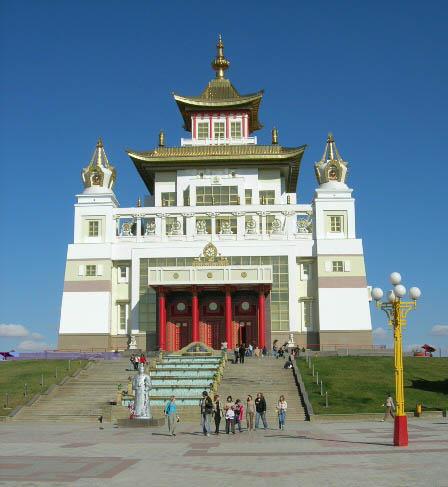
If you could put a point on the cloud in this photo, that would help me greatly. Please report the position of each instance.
(37, 336)
(33, 346)
(439, 330)
(380, 333)
(13, 331)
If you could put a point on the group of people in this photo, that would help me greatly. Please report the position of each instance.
(136, 359)
(241, 351)
(231, 412)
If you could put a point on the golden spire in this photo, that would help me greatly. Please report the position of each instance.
(161, 138)
(99, 144)
(274, 136)
(139, 202)
(220, 63)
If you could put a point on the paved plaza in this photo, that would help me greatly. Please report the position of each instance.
(321, 454)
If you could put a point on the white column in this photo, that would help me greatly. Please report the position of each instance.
(190, 226)
(135, 293)
(138, 230)
(213, 220)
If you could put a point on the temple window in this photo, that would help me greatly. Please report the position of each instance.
(94, 228)
(219, 130)
(122, 316)
(248, 196)
(203, 130)
(168, 199)
(336, 224)
(235, 130)
(123, 273)
(337, 266)
(90, 270)
(267, 197)
(216, 195)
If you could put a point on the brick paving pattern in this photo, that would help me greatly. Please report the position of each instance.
(305, 454)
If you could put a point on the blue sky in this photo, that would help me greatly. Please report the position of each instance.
(374, 73)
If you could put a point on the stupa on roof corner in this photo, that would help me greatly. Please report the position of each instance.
(219, 250)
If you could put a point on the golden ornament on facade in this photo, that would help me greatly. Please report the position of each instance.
(210, 257)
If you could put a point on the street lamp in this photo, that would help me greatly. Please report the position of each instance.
(396, 311)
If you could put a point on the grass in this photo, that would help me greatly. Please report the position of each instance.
(360, 384)
(15, 374)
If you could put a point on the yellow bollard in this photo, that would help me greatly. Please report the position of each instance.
(418, 410)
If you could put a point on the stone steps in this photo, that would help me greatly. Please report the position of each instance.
(265, 375)
(82, 398)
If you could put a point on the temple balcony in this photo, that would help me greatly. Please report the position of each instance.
(219, 141)
(251, 222)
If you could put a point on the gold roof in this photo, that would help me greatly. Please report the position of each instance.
(220, 94)
(287, 159)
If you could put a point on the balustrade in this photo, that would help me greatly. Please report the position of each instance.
(201, 223)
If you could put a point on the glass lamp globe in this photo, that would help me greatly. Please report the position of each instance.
(400, 291)
(377, 293)
(395, 278)
(415, 293)
(391, 296)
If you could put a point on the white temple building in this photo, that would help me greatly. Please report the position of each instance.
(220, 250)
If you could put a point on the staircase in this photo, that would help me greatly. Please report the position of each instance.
(82, 398)
(268, 376)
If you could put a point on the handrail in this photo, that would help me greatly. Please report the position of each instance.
(304, 395)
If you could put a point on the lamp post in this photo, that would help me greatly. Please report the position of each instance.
(396, 311)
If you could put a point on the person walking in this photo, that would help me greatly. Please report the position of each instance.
(242, 352)
(218, 412)
(171, 414)
(206, 406)
(260, 411)
(132, 360)
(275, 349)
(250, 413)
(142, 359)
(239, 414)
(390, 407)
(282, 406)
(229, 410)
(236, 352)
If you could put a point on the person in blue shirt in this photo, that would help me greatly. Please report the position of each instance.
(170, 413)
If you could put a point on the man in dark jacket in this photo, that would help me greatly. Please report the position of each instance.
(242, 352)
(260, 408)
(206, 405)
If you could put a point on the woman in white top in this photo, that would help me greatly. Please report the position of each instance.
(282, 406)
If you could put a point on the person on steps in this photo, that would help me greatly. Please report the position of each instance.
(229, 409)
(236, 352)
(242, 352)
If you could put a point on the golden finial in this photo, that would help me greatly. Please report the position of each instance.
(274, 136)
(220, 63)
(161, 139)
(330, 137)
(99, 143)
(139, 202)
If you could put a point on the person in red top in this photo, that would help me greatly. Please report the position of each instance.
(142, 359)
(239, 414)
